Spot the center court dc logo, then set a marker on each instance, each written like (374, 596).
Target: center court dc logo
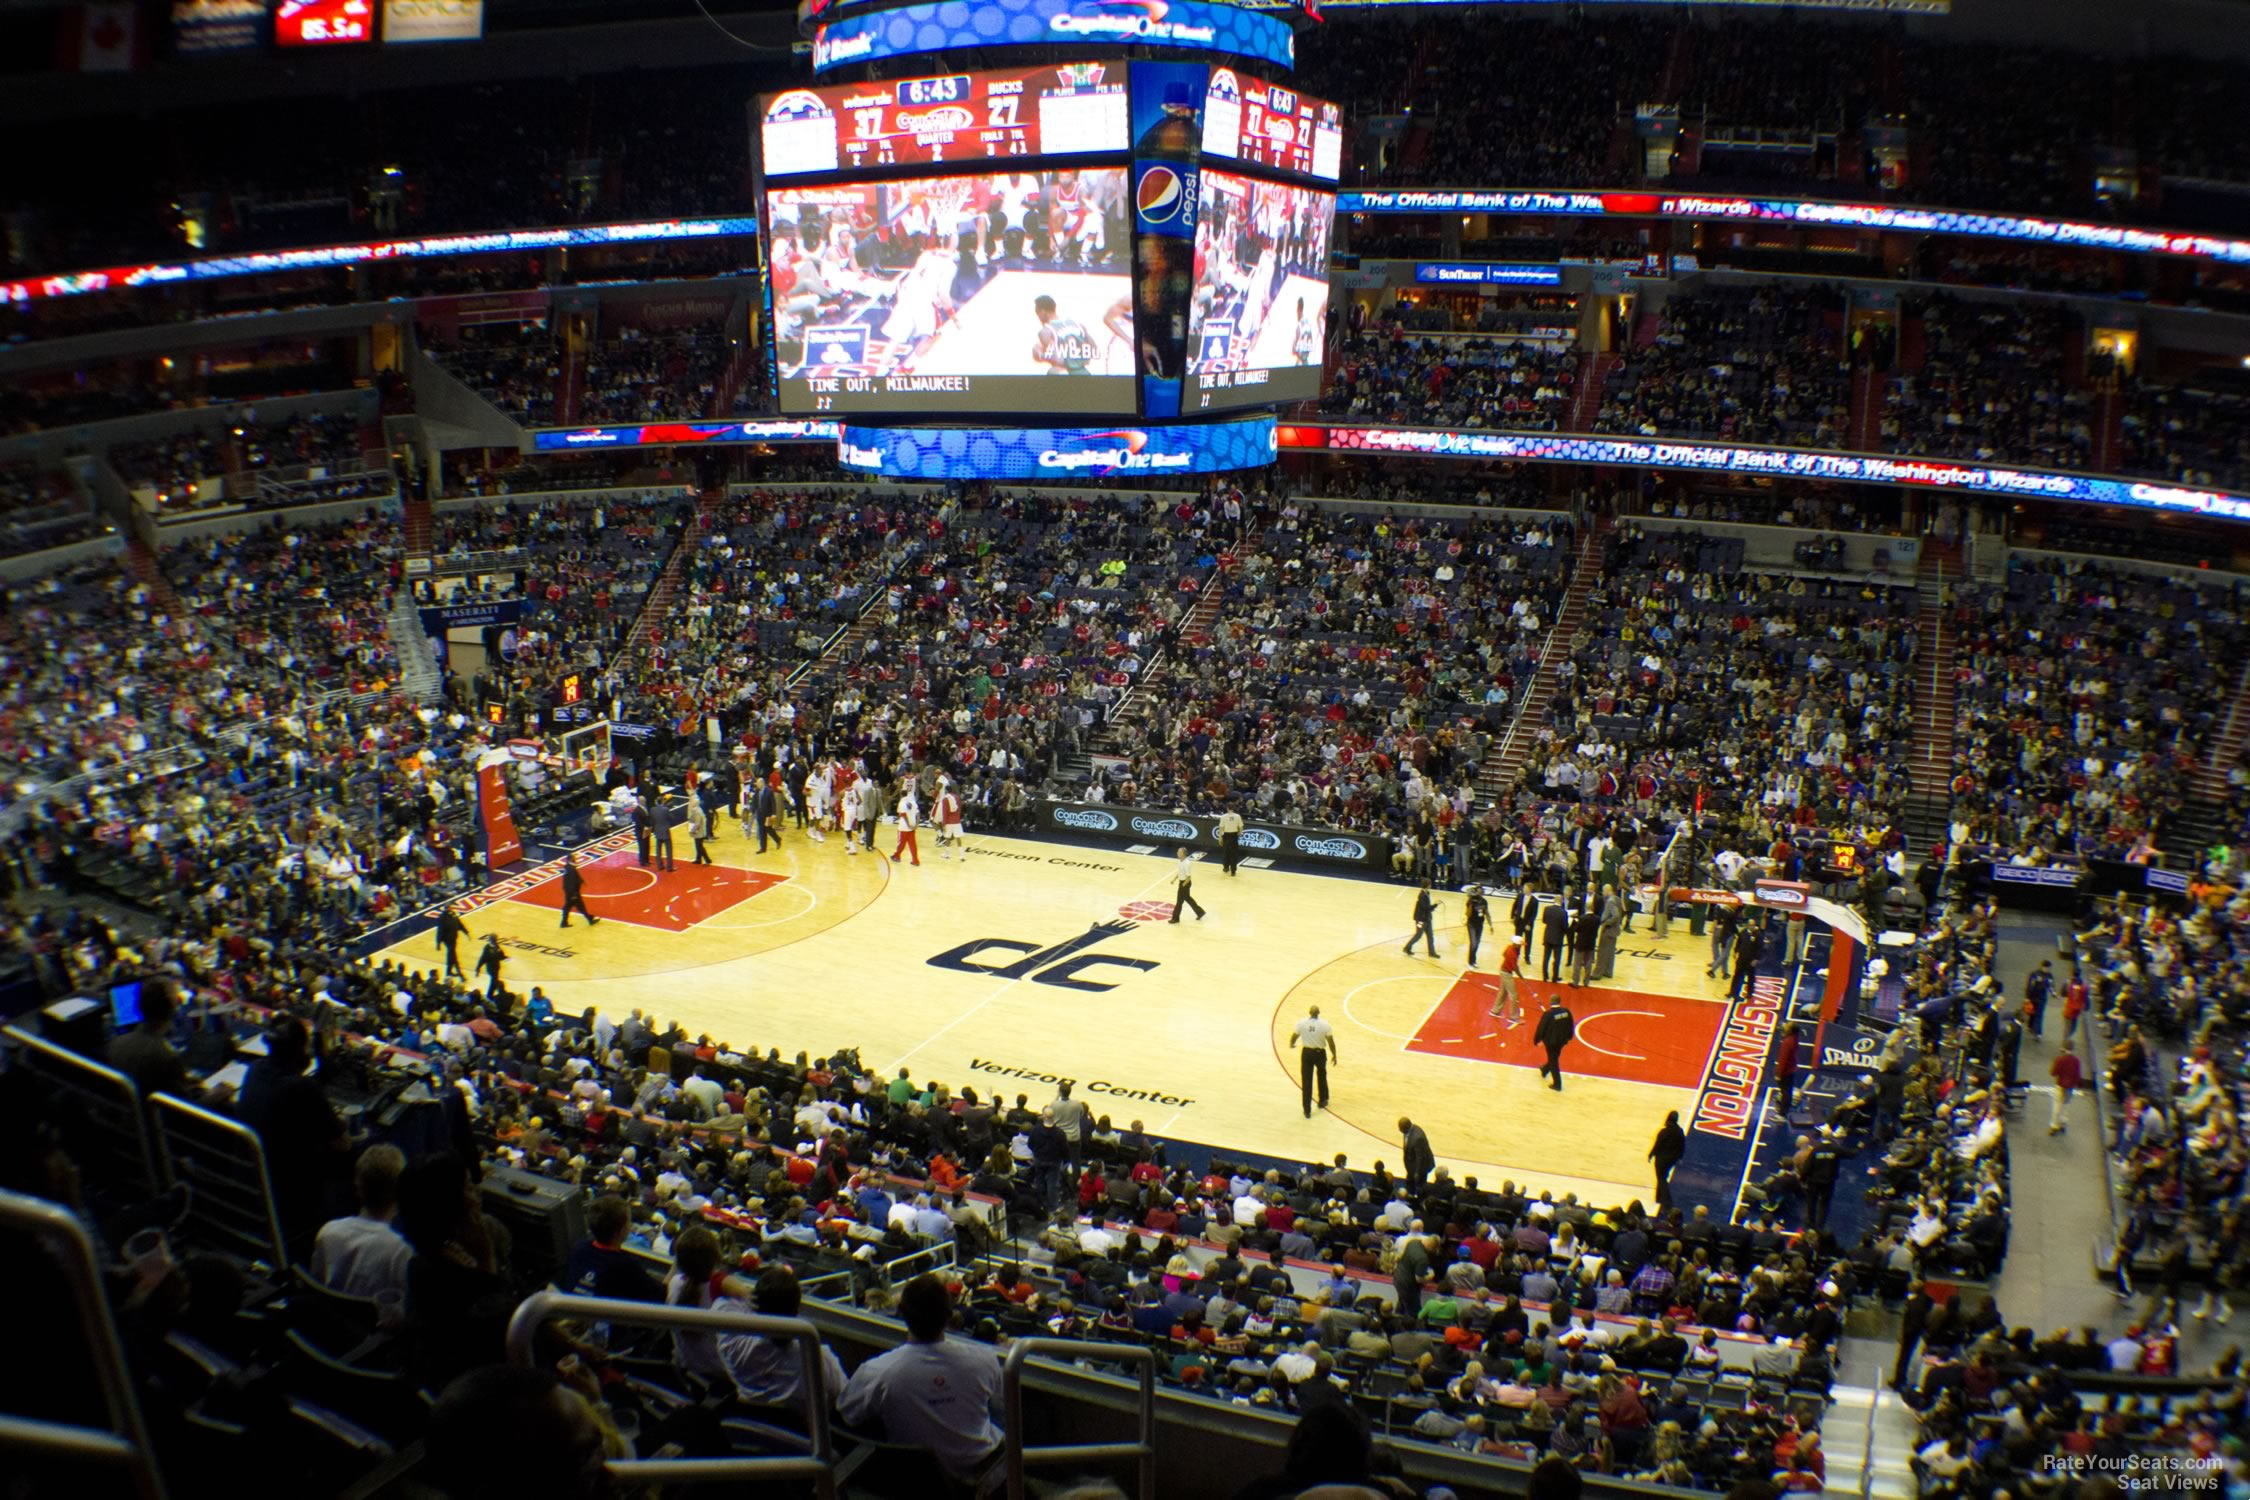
(1160, 194)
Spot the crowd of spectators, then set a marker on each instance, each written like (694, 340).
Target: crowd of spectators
(1389, 377)
(645, 377)
(2009, 127)
(601, 147)
(1783, 698)
(1760, 365)
(186, 470)
(39, 509)
(516, 367)
(1355, 671)
(1993, 385)
(2186, 433)
(2085, 698)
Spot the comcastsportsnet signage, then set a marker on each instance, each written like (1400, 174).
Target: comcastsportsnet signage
(1323, 848)
(1889, 218)
(912, 30)
(1479, 273)
(162, 273)
(642, 435)
(1778, 463)
(1057, 452)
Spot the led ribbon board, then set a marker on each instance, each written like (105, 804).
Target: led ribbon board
(1772, 463)
(1056, 452)
(1889, 218)
(1192, 25)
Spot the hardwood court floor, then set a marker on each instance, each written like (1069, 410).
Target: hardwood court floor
(1027, 961)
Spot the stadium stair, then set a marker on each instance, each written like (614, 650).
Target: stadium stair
(2199, 825)
(421, 527)
(1593, 373)
(1504, 762)
(658, 604)
(2109, 426)
(142, 560)
(419, 677)
(1196, 627)
(1867, 409)
(1932, 763)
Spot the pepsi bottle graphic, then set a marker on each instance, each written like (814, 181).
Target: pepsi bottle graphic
(1174, 133)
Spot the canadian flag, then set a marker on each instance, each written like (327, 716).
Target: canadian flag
(108, 36)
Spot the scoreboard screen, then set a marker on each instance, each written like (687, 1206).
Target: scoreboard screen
(1258, 322)
(1001, 290)
(1062, 109)
(1263, 124)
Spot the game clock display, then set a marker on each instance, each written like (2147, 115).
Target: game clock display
(1263, 124)
(1063, 109)
(986, 292)
(1258, 321)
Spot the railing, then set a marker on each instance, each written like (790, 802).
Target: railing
(1142, 1451)
(819, 1465)
(1211, 580)
(123, 1445)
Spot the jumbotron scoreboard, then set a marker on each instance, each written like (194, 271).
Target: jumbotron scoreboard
(1116, 237)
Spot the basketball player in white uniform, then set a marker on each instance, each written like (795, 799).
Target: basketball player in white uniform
(949, 839)
(820, 790)
(1077, 222)
(1308, 334)
(923, 302)
(909, 818)
(855, 793)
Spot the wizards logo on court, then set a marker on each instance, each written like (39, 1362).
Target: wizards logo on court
(1058, 965)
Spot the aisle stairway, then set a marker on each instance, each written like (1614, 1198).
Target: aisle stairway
(1504, 762)
(2199, 825)
(1866, 410)
(142, 561)
(658, 604)
(421, 527)
(1586, 403)
(1932, 756)
(419, 677)
(1196, 627)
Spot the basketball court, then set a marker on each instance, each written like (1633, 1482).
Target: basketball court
(1026, 962)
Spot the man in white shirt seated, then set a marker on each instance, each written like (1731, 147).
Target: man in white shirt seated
(931, 1392)
(767, 1371)
(365, 1254)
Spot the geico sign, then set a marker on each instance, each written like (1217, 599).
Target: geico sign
(433, 20)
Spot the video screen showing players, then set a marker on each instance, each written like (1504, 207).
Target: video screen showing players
(992, 292)
(1258, 325)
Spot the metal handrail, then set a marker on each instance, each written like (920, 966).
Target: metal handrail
(249, 1152)
(125, 1442)
(122, 1095)
(1020, 1458)
(819, 1466)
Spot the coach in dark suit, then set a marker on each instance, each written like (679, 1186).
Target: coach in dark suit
(574, 893)
(1555, 1030)
(765, 807)
(1418, 1160)
(641, 829)
(450, 930)
(660, 829)
(1554, 922)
